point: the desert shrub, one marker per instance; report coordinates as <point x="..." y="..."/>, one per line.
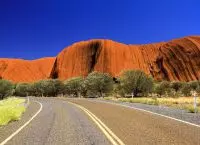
<point x="194" y="85"/>
<point x="75" y="87"/>
<point x="47" y="88"/>
<point x="58" y="87"/>
<point x="22" y="89"/>
<point x="117" y="90"/>
<point x="177" y="86"/>
<point x="98" y="84"/>
<point x="6" y="89"/>
<point x="163" y="88"/>
<point x="136" y="82"/>
<point x="198" y="90"/>
<point x="186" y="89"/>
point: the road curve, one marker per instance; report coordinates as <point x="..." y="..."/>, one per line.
<point x="63" y="123"/>
<point x="59" y="123"/>
<point x="135" y="127"/>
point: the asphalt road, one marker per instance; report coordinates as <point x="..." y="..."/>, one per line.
<point x="59" y="123"/>
<point x="62" y="123"/>
<point x="136" y="127"/>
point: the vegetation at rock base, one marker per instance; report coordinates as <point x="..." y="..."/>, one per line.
<point x="74" y="87"/>
<point x="130" y="83"/>
<point x="98" y="84"/>
<point x="22" y="89"/>
<point x="136" y="82"/>
<point x="6" y="89"/>
<point x="47" y="88"/>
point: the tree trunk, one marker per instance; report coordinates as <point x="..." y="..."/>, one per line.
<point x="101" y="94"/>
<point x="135" y="93"/>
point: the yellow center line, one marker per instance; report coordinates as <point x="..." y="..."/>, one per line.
<point x="107" y="132"/>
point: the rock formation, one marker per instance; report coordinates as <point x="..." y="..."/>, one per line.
<point x="18" y="70"/>
<point x="174" y="60"/>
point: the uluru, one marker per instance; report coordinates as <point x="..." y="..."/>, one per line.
<point x="175" y="60"/>
<point x="19" y="70"/>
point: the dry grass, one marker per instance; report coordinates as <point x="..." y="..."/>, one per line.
<point x="11" y="110"/>
<point x="181" y="102"/>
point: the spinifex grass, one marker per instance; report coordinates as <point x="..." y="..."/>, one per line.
<point x="11" y="109"/>
<point x="181" y="102"/>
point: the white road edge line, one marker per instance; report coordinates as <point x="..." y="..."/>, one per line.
<point x="107" y="132"/>
<point x="172" y="118"/>
<point x="23" y="126"/>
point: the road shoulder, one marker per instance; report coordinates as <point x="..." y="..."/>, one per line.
<point x="6" y="131"/>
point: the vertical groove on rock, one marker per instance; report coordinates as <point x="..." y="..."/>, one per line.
<point x="95" y="48"/>
<point x="54" y="71"/>
<point x="159" y="62"/>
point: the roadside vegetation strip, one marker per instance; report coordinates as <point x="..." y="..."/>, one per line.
<point x="23" y="126"/>
<point x="186" y="103"/>
<point x="107" y="132"/>
<point x="11" y="109"/>
<point x="143" y="110"/>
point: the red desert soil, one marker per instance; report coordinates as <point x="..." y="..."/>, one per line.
<point x="18" y="70"/>
<point x="178" y="59"/>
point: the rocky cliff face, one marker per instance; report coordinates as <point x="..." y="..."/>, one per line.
<point x="18" y="70"/>
<point x="180" y="59"/>
<point x="104" y="56"/>
<point x="174" y="60"/>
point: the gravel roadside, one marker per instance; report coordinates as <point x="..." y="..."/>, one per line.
<point x="168" y="111"/>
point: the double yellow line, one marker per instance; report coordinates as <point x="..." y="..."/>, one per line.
<point x="107" y="132"/>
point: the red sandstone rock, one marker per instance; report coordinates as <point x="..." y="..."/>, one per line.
<point x="174" y="60"/>
<point x="18" y="70"/>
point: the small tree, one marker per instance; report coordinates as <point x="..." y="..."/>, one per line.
<point x="136" y="82"/>
<point x="194" y="84"/>
<point x="177" y="86"/>
<point x="6" y="89"/>
<point x="48" y="88"/>
<point x="98" y="84"/>
<point x="58" y="87"/>
<point x="186" y="90"/>
<point x="38" y="88"/>
<point x="162" y="88"/>
<point x="74" y="86"/>
<point x="22" y="89"/>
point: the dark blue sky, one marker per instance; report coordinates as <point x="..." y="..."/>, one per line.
<point x="32" y="29"/>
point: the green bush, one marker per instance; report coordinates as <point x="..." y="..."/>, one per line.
<point x="194" y="85"/>
<point x="136" y="82"/>
<point x="177" y="86"/>
<point x="75" y="87"/>
<point x="186" y="90"/>
<point x="22" y="89"/>
<point x="98" y="84"/>
<point x="47" y="88"/>
<point x="117" y="90"/>
<point x="163" y="88"/>
<point x="6" y="89"/>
